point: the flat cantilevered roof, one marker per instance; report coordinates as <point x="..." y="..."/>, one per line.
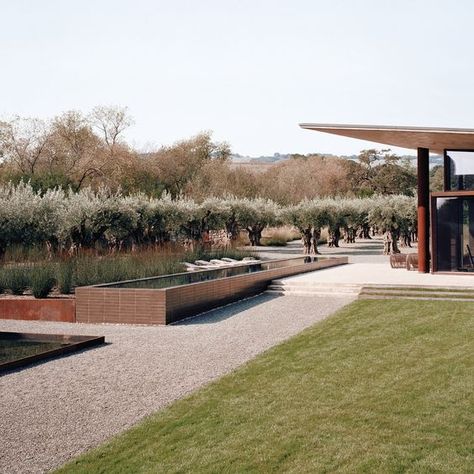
<point x="436" y="139"/>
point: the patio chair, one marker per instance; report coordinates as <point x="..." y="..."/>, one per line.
<point x="412" y="261"/>
<point x="398" y="260"/>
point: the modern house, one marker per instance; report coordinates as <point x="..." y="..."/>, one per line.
<point x="452" y="211"/>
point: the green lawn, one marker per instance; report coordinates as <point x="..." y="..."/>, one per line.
<point x="382" y="386"/>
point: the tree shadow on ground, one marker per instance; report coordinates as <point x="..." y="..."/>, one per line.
<point x="325" y="251"/>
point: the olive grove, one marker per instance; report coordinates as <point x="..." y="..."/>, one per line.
<point x="65" y="221"/>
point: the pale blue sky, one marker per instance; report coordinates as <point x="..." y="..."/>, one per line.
<point x="248" y="70"/>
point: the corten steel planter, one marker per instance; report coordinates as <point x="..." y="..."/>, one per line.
<point x="32" y="309"/>
<point x="122" y="303"/>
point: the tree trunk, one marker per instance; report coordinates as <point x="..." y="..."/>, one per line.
<point x="387" y="243"/>
<point x="395" y="236"/>
<point x="366" y="232"/>
<point x="251" y="234"/>
<point x="407" y="239"/>
<point x="255" y="234"/>
<point x="316" y="237"/>
<point x="232" y="228"/>
<point x="306" y="239"/>
<point x="349" y="235"/>
<point x="334" y="236"/>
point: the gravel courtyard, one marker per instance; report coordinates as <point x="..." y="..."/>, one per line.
<point x="56" y="410"/>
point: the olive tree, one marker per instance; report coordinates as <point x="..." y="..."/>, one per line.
<point x="198" y="219"/>
<point x="26" y="217"/>
<point x="309" y="217"/>
<point x="254" y="215"/>
<point x="338" y="214"/>
<point x="393" y="215"/>
<point x="355" y="218"/>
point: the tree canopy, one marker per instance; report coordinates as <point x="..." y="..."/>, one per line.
<point x="78" y="150"/>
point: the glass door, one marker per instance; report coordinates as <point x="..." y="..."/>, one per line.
<point x="454" y="239"/>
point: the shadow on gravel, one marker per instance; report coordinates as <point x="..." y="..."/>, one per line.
<point x="225" y="312"/>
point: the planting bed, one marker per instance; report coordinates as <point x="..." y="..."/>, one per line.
<point x="20" y="349"/>
<point x="170" y="298"/>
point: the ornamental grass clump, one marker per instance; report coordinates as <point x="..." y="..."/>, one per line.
<point x="274" y="241"/>
<point x="64" y="276"/>
<point x="17" y="279"/>
<point x="42" y="280"/>
<point x="154" y="265"/>
<point x="88" y="270"/>
<point x="93" y="270"/>
<point x="280" y="236"/>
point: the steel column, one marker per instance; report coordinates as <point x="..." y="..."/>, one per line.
<point x="423" y="210"/>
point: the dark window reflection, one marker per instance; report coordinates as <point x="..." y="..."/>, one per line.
<point x="461" y="170"/>
<point x="455" y="234"/>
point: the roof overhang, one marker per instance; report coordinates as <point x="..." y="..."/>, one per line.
<point x="437" y="139"/>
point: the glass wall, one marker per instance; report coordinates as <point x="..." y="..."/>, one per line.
<point x="454" y="229"/>
<point x="460" y="170"/>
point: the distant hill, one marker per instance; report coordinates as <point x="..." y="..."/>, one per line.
<point x="276" y="157"/>
<point x="279" y="157"/>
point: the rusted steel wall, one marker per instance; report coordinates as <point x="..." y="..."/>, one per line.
<point x="31" y="309"/>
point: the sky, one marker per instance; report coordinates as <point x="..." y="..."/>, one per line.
<point x="248" y="70"/>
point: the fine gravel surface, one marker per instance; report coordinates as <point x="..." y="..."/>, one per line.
<point x="53" y="411"/>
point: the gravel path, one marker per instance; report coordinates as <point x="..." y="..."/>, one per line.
<point x="56" y="410"/>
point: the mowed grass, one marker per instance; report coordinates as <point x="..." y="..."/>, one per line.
<point x="381" y="386"/>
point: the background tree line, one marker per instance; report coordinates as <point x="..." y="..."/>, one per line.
<point x="76" y="150"/>
<point x="65" y="221"/>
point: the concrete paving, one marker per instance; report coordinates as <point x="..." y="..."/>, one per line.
<point x="367" y="266"/>
<point x="379" y="274"/>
